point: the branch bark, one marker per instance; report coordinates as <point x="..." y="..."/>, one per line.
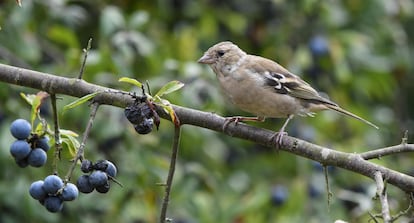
<point x="77" y="88"/>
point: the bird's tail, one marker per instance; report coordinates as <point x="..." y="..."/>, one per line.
<point x="340" y="110"/>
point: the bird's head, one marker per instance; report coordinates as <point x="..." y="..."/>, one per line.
<point x="222" y="54"/>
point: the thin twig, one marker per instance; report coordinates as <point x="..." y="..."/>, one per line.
<point x="378" y="153"/>
<point x="58" y="144"/>
<point x="328" y="188"/>
<point x="382" y="194"/>
<point x="404" y="212"/>
<point x="79" y="154"/>
<point x="174" y="154"/>
<point x="85" y="56"/>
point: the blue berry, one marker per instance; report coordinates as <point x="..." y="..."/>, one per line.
<point x="20" y="129"/>
<point x="279" y="195"/>
<point x="52" y="184"/>
<point x="36" y="190"/>
<point x="110" y="169"/>
<point x="319" y="45"/>
<point x="43" y="143"/>
<point x="53" y="204"/>
<point x="98" y="178"/>
<point x="37" y="157"/>
<point x="84" y="185"/>
<point x="70" y="192"/>
<point x="20" y="149"/>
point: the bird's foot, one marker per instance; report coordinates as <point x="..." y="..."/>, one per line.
<point x="237" y="119"/>
<point x="229" y="120"/>
<point x="277" y="138"/>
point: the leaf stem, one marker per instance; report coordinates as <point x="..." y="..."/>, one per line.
<point x="80" y="152"/>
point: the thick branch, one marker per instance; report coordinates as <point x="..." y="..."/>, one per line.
<point x="79" y="88"/>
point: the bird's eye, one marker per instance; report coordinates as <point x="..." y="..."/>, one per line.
<point x="220" y="53"/>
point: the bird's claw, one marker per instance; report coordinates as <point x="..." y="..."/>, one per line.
<point x="229" y="120"/>
<point x="278" y="137"/>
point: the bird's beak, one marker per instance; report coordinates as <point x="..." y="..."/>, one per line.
<point x="206" y="59"/>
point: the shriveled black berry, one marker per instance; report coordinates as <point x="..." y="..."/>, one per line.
<point x="103" y="188"/>
<point x="138" y="112"/>
<point x="86" y="166"/>
<point x="144" y="127"/>
<point x="100" y="165"/>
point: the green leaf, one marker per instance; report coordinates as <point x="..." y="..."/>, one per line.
<point x="35" y="100"/>
<point x="68" y="133"/>
<point x="131" y="81"/>
<point x="69" y="141"/>
<point x="169" y="87"/>
<point x="80" y="101"/>
<point x="71" y="144"/>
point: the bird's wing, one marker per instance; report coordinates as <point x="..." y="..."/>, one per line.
<point x="284" y="82"/>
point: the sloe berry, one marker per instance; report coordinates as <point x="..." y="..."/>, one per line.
<point x="84" y="185"/>
<point x="70" y="192"/>
<point x="53" y="204"/>
<point x="37" y="157"/>
<point x="36" y="190"/>
<point x="20" y="129"/>
<point x="98" y="178"/>
<point x="52" y="184"/>
<point x="20" y="149"/>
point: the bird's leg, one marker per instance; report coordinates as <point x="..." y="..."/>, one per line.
<point x="279" y="135"/>
<point x="237" y="119"/>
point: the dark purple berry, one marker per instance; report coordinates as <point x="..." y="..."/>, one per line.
<point x="86" y="166"/>
<point x="83" y="184"/>
<point x="103" y="188"/>
<point x="22" y="163"/>
<point x="20" y="129"/>
<point x="53" y="204"/>
<point x="98" y="178"/>
<point x="43" y="143"/>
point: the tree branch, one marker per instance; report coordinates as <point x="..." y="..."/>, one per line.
<point x="378" y="153"/>
<point x="78" y="88"/>
<point x="382" y="195"/>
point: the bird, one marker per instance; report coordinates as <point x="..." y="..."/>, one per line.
<point x="264" y="88"/>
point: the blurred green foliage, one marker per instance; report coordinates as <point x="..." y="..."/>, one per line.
<point x="358" y="52"/>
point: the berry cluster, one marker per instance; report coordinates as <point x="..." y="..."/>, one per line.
<point x="52" y="192"/>
<point x="28" y="149"/>
<point x="141" y="115"/>
<point x="99" y="175"/>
